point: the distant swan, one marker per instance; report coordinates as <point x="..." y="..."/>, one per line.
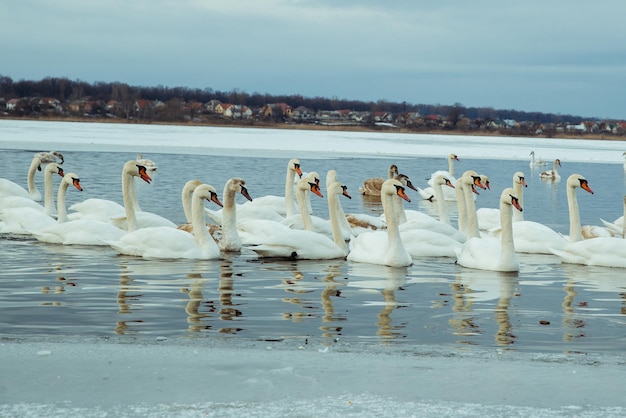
<point x="552" y="174"/>
<point x="536" y="162"/>
<point x="172" y="243"/>
<point x="491" y="253"/>
<point x="372" y="186"/>
<point x="383" y="247"/>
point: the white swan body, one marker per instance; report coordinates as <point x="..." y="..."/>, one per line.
<point x="79" y="231"/>
<point x="21" y="201"/>
<point x="171" y="243"/>
<point x="277" y="240"/>
<point x="383" y="247"/>
<point x="283" y="205"/>
<point x="372" y="186"/>
<point x="534" y="163"/>
<point x="10" y="188"/>
<point x="491" y="253"/>
<point x="552" y="174"/>
<point x="489" y="218"/>
<point x="28" y="221"/>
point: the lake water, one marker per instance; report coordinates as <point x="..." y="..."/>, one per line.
<point x="548" y="307"/>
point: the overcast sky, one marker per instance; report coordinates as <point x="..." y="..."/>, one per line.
<point x="558" y="56"/>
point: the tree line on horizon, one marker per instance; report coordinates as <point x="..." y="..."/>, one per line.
<point x="65" y="89"/>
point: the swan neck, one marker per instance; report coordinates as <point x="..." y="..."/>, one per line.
<point x="230" y="236"/>
<point x="200" y="231"/>
<point x="61" y="210"/>
<point x="461" y="207"/>
<point x="48" y="197"/>
<point x="128" y="190"/>
<point x="32" y="186"/>
<point x="334" y="212"/>
<point x="441" y="204"/>
<point x="290" y="208"/>
<point x="519" y="192"/>
<point x="507" y="255"/>
<point x="303" y="197"/>
<point x="391" y="218"/>
<point x="472" y="218"/>
<point x="575" y="233"/>
<point x="451" y="167"/>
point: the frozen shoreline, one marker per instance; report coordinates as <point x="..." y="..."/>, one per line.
<point x="223" y="377"/>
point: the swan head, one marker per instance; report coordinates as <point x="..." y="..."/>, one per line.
<point x="532" y="153"/>
<point x="134" y="168"/>
<point x="72" y="178"/>
<point x="393" y="170"/>
<point x="207" y="192"/>
<point x="519" y="178"/>
<point x="442" y="180"/>
<point x="508" y="197"/>
<point x="294" y="165"/>
<point x="338" y="188"/>
<point x="485" y="181"/>
<point x="55" y="168"/>
<point x="311" y="183"/>
<point x="471" y="177"/>
<point x="453" y="157"/>
<point x="576" y="180"/>
<point x="50" y="157"/>
<point x="557" y="162"/>
<point x="406" y="181"/>
<point x="395" y="187"/>
<point x="238" y="184"/>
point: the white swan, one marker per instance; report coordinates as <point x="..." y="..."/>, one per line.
<point x="372" y="186"/>
<point x="172" y="243"/>
<point x="28" y="220"/>
<point x="534" y="163"/>
<point x="491" y="253"/>
<point x="79" y="231"/>
<point x="552" y="174"/>
<point x="624" y="155"/>
<point x="276" y="240"/>
<point x="10" y="188"/>
<point x="489" y="218"/>
<point x="48" y="206"/>
<point x="601" y="251"/>
<point x="428" y="192"/>
<point x="283" y="205"/>
<point x="383" y="247"/>
<point x="230" y="240"/>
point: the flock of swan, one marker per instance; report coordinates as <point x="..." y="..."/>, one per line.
<point x="285" y="227"/>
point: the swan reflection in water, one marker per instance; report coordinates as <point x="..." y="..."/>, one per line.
<point x="472" y="287"/>
<point x="332" y="290"/>
<point x="580" y="305"/>
<point x="385" y="280"/>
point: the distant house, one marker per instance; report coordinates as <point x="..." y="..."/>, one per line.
<point x="14" y="104"/>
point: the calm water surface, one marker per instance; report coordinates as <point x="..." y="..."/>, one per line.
<point x="547" y="307"/>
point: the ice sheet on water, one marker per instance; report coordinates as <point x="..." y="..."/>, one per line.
<point x="213" y="377"/>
